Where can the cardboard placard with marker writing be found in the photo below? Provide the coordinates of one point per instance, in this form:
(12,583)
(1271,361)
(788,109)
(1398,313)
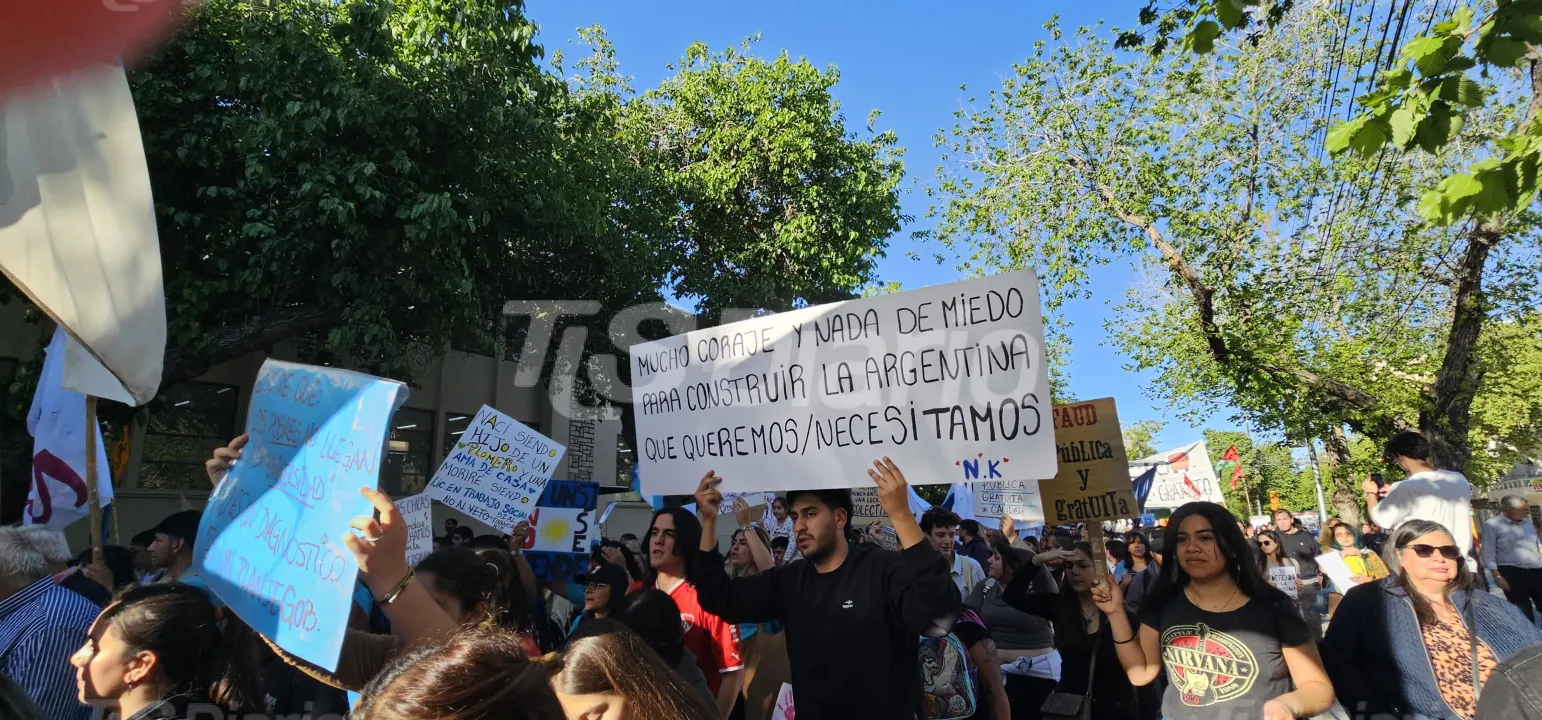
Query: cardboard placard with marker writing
(1093,482)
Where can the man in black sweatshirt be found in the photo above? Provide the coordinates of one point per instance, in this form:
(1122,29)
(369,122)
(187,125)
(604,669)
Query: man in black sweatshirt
(853,614)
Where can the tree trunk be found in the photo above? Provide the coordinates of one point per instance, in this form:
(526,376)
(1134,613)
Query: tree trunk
(1448,419)
(1344,499)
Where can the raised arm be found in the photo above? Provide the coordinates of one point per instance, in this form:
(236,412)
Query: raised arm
(382,555)
(1138,648)
(921,585)
(1020,592)
(759,553)
(521,565)
(741,600)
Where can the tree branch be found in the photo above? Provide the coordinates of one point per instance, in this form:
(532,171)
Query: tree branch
(233,341)
(1348,397)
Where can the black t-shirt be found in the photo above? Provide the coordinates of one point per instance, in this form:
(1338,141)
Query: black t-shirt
(1303,547)
(1223,665)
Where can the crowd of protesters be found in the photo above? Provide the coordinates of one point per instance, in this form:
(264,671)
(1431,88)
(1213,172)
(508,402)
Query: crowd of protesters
(927,617)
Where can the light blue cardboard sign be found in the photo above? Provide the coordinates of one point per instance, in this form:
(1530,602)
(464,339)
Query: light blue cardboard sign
(270,543)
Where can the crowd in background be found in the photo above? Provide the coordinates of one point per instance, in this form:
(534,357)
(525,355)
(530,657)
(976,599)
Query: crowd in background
(934,616)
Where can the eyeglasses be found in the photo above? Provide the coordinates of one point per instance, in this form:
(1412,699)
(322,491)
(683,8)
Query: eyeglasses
(1265,544)
(1449,552)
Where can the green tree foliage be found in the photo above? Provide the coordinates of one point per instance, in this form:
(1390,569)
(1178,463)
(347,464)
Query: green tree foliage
(1139,438)
(1302,289)
(380,177)
(778,204)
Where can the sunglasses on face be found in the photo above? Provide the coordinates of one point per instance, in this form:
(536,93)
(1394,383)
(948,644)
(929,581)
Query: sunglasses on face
(1265,544)
(1449,552)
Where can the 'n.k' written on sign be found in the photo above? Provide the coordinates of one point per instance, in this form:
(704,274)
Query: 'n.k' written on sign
(496,471)
(270,542)
(811,397)
(1094,479)
(562,528)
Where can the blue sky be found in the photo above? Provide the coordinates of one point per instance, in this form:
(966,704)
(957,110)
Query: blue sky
(906,59)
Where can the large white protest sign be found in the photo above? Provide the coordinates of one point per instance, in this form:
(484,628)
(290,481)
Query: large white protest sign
(496,471)
(1019,499)
(418,514)
(811,397)
(1183,475)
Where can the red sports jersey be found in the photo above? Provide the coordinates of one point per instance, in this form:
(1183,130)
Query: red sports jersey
(714,643)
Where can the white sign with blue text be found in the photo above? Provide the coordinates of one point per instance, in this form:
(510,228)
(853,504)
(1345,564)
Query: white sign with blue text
(496,471)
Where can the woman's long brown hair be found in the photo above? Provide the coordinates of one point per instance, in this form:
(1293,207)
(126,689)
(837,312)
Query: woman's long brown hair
(611,659)
(480,674)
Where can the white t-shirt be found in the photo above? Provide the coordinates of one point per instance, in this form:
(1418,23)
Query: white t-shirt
(1441,496)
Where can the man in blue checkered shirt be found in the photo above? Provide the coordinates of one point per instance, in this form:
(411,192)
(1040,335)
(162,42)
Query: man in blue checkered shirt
(41,626)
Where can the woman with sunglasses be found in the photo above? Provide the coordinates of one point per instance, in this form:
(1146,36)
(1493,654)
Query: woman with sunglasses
(1421,642)
(1271,555)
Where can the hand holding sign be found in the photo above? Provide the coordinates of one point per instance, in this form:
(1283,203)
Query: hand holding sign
(742,511)
(708,501)
(894,496)
(382,551)
(520,536)
(892,489)
(1109,597)
(223,459)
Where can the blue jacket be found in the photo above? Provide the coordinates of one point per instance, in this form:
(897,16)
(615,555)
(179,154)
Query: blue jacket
(1375,655)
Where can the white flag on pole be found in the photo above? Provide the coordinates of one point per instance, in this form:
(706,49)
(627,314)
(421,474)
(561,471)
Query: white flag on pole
(77,229)
(57,494)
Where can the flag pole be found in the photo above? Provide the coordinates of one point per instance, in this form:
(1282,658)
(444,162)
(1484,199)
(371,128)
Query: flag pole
(92,494)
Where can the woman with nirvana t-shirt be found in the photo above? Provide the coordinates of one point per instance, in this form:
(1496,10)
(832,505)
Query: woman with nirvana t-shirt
(1233,645)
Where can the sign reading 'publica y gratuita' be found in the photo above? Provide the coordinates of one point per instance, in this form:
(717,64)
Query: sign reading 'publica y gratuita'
(1093,483)
(811,397)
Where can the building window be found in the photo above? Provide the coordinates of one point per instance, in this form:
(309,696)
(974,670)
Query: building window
(455,425)
(409,457)
(625,458)
(186,423)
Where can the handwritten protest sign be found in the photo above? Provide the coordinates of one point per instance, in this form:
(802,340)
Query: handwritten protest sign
(496,471)
(562,529)
(810,397)
(864,503)
(270,543)
(1018,499)
(419,516)
(1093,483)
(1284,578)
(1183,475)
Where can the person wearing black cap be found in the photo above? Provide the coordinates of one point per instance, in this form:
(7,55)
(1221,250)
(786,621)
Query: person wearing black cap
(604,589)
(172,548)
